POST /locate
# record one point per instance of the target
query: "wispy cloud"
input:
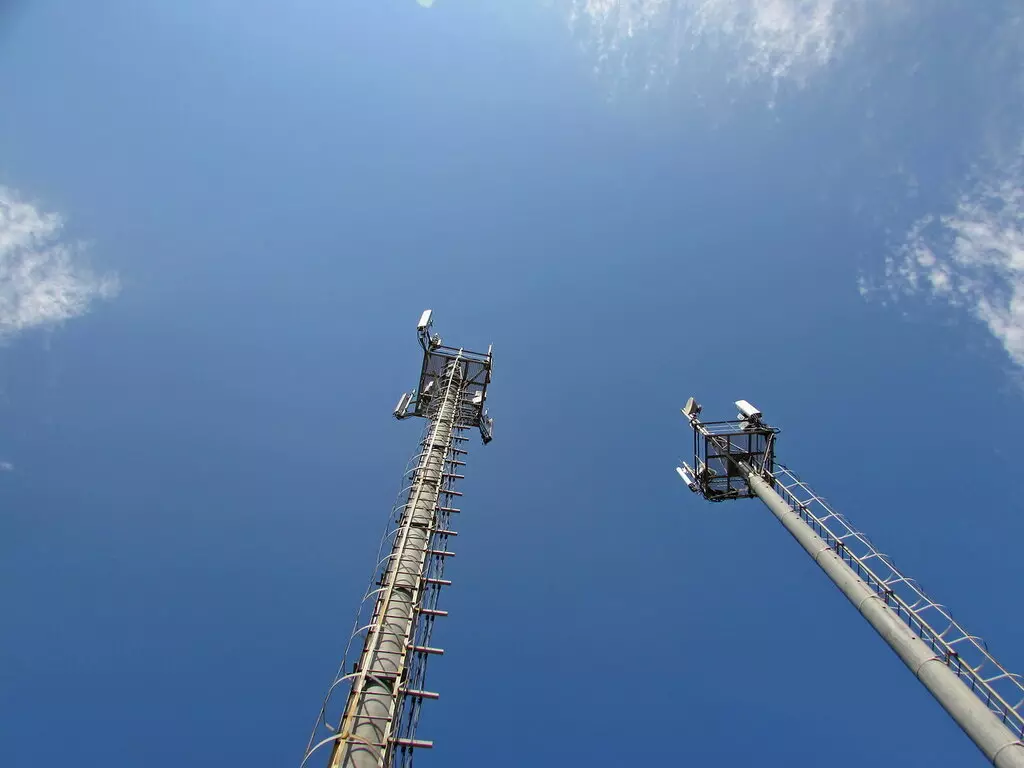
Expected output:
(972, 257)
(43, 278)
(969, 253)
(773, 39)
(779, 38)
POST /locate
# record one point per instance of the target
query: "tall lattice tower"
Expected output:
(372, 708)
(735, 459)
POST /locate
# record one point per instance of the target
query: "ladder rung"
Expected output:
(422, 694)
(446, 533)
(451, 492)
(452, 474)
(381, 675)
(387, 634)
(414, 550)
(427, 650)
(414, 743)
(449, 510)
(385, 718)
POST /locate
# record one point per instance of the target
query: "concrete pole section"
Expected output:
(983, 727)
(369, 721)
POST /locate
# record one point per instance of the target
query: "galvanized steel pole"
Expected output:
(368, 724)
(997, 743)
(370, 714)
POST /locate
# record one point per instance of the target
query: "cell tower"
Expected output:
(736, 459)
(383, 691)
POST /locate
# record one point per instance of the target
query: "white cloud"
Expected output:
(970, 256)
(973, 257)
(6, 466)
(774, 39)
(43, 280)
(778, 38)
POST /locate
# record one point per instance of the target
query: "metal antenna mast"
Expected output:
(736, 459)
(384, 689)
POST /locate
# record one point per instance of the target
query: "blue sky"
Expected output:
(220, 221)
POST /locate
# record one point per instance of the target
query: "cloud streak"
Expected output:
(969, 254)
(777, 40)
(972, 258)
(43, 280)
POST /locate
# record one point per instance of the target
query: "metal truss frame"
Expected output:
(718, 449)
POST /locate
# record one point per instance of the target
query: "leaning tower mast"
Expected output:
(735, 459)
